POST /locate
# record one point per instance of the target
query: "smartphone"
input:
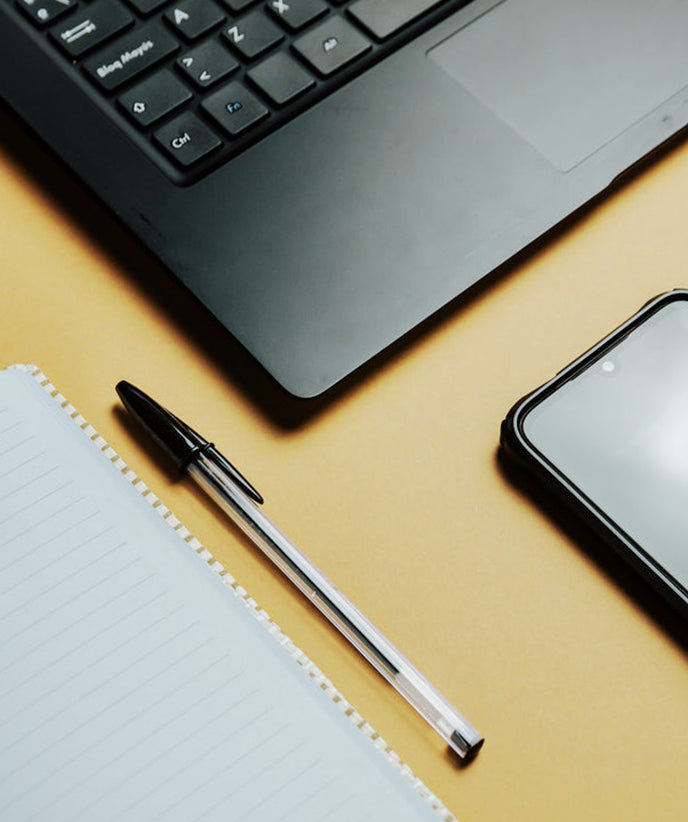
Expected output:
(609, 436)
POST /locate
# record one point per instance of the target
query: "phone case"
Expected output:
(516, 446)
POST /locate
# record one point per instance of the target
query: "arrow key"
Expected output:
(207, 64)
(193, 18)
(155, 97)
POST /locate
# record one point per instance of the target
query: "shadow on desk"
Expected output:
(159, 287)
(606, 559)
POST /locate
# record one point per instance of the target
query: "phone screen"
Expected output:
(618, 431)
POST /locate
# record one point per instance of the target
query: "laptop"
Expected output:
(324, 175)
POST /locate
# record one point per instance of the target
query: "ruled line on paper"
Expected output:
(15, 445)
(212, 720)
(104, 581)
(311, 796)
(34, 702)
(79, 619)
(159, 698)
(124, 752)
(288, 782)
(335, 809)
(95, 689)
(245, 754)
(40, 522)
(21, 557)
(29, 483)
(34, 502)
(15, 468)
(176, 774)
(52, 585)
(233, 792)
(268, 766)
(35, 576)
(87, 721)
(96, 633)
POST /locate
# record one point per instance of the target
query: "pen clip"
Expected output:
(234, 474)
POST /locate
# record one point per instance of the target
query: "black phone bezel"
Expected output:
(517, 447)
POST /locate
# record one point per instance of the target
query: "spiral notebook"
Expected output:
(138, 680)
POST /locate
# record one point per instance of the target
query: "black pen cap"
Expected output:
(176, 438)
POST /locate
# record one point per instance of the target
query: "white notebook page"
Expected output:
(133, 684)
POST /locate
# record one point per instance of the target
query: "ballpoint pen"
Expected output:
(194, 455)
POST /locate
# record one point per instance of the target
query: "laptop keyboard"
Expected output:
(196, 82)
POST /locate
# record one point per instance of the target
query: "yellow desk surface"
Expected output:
(579, 683)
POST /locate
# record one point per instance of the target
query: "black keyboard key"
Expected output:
(383, 18)
(146, 6)
(194, 18)
(295, 14)
(154, 98)
(91, 26)
(165, 64)
(239, 5)
(130, 55)
(186, 139)
(43, 12)
(253, 35)
(332, 45)
(235, 109)
(281, 78)
(207, 64)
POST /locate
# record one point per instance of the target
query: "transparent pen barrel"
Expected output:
(370, 642)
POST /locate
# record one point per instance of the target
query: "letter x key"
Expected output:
(295, 14)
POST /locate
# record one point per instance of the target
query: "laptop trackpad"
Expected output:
(570, 76)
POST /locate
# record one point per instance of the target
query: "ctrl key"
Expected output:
(186, 139)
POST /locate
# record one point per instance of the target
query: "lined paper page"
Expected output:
(133, 684)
